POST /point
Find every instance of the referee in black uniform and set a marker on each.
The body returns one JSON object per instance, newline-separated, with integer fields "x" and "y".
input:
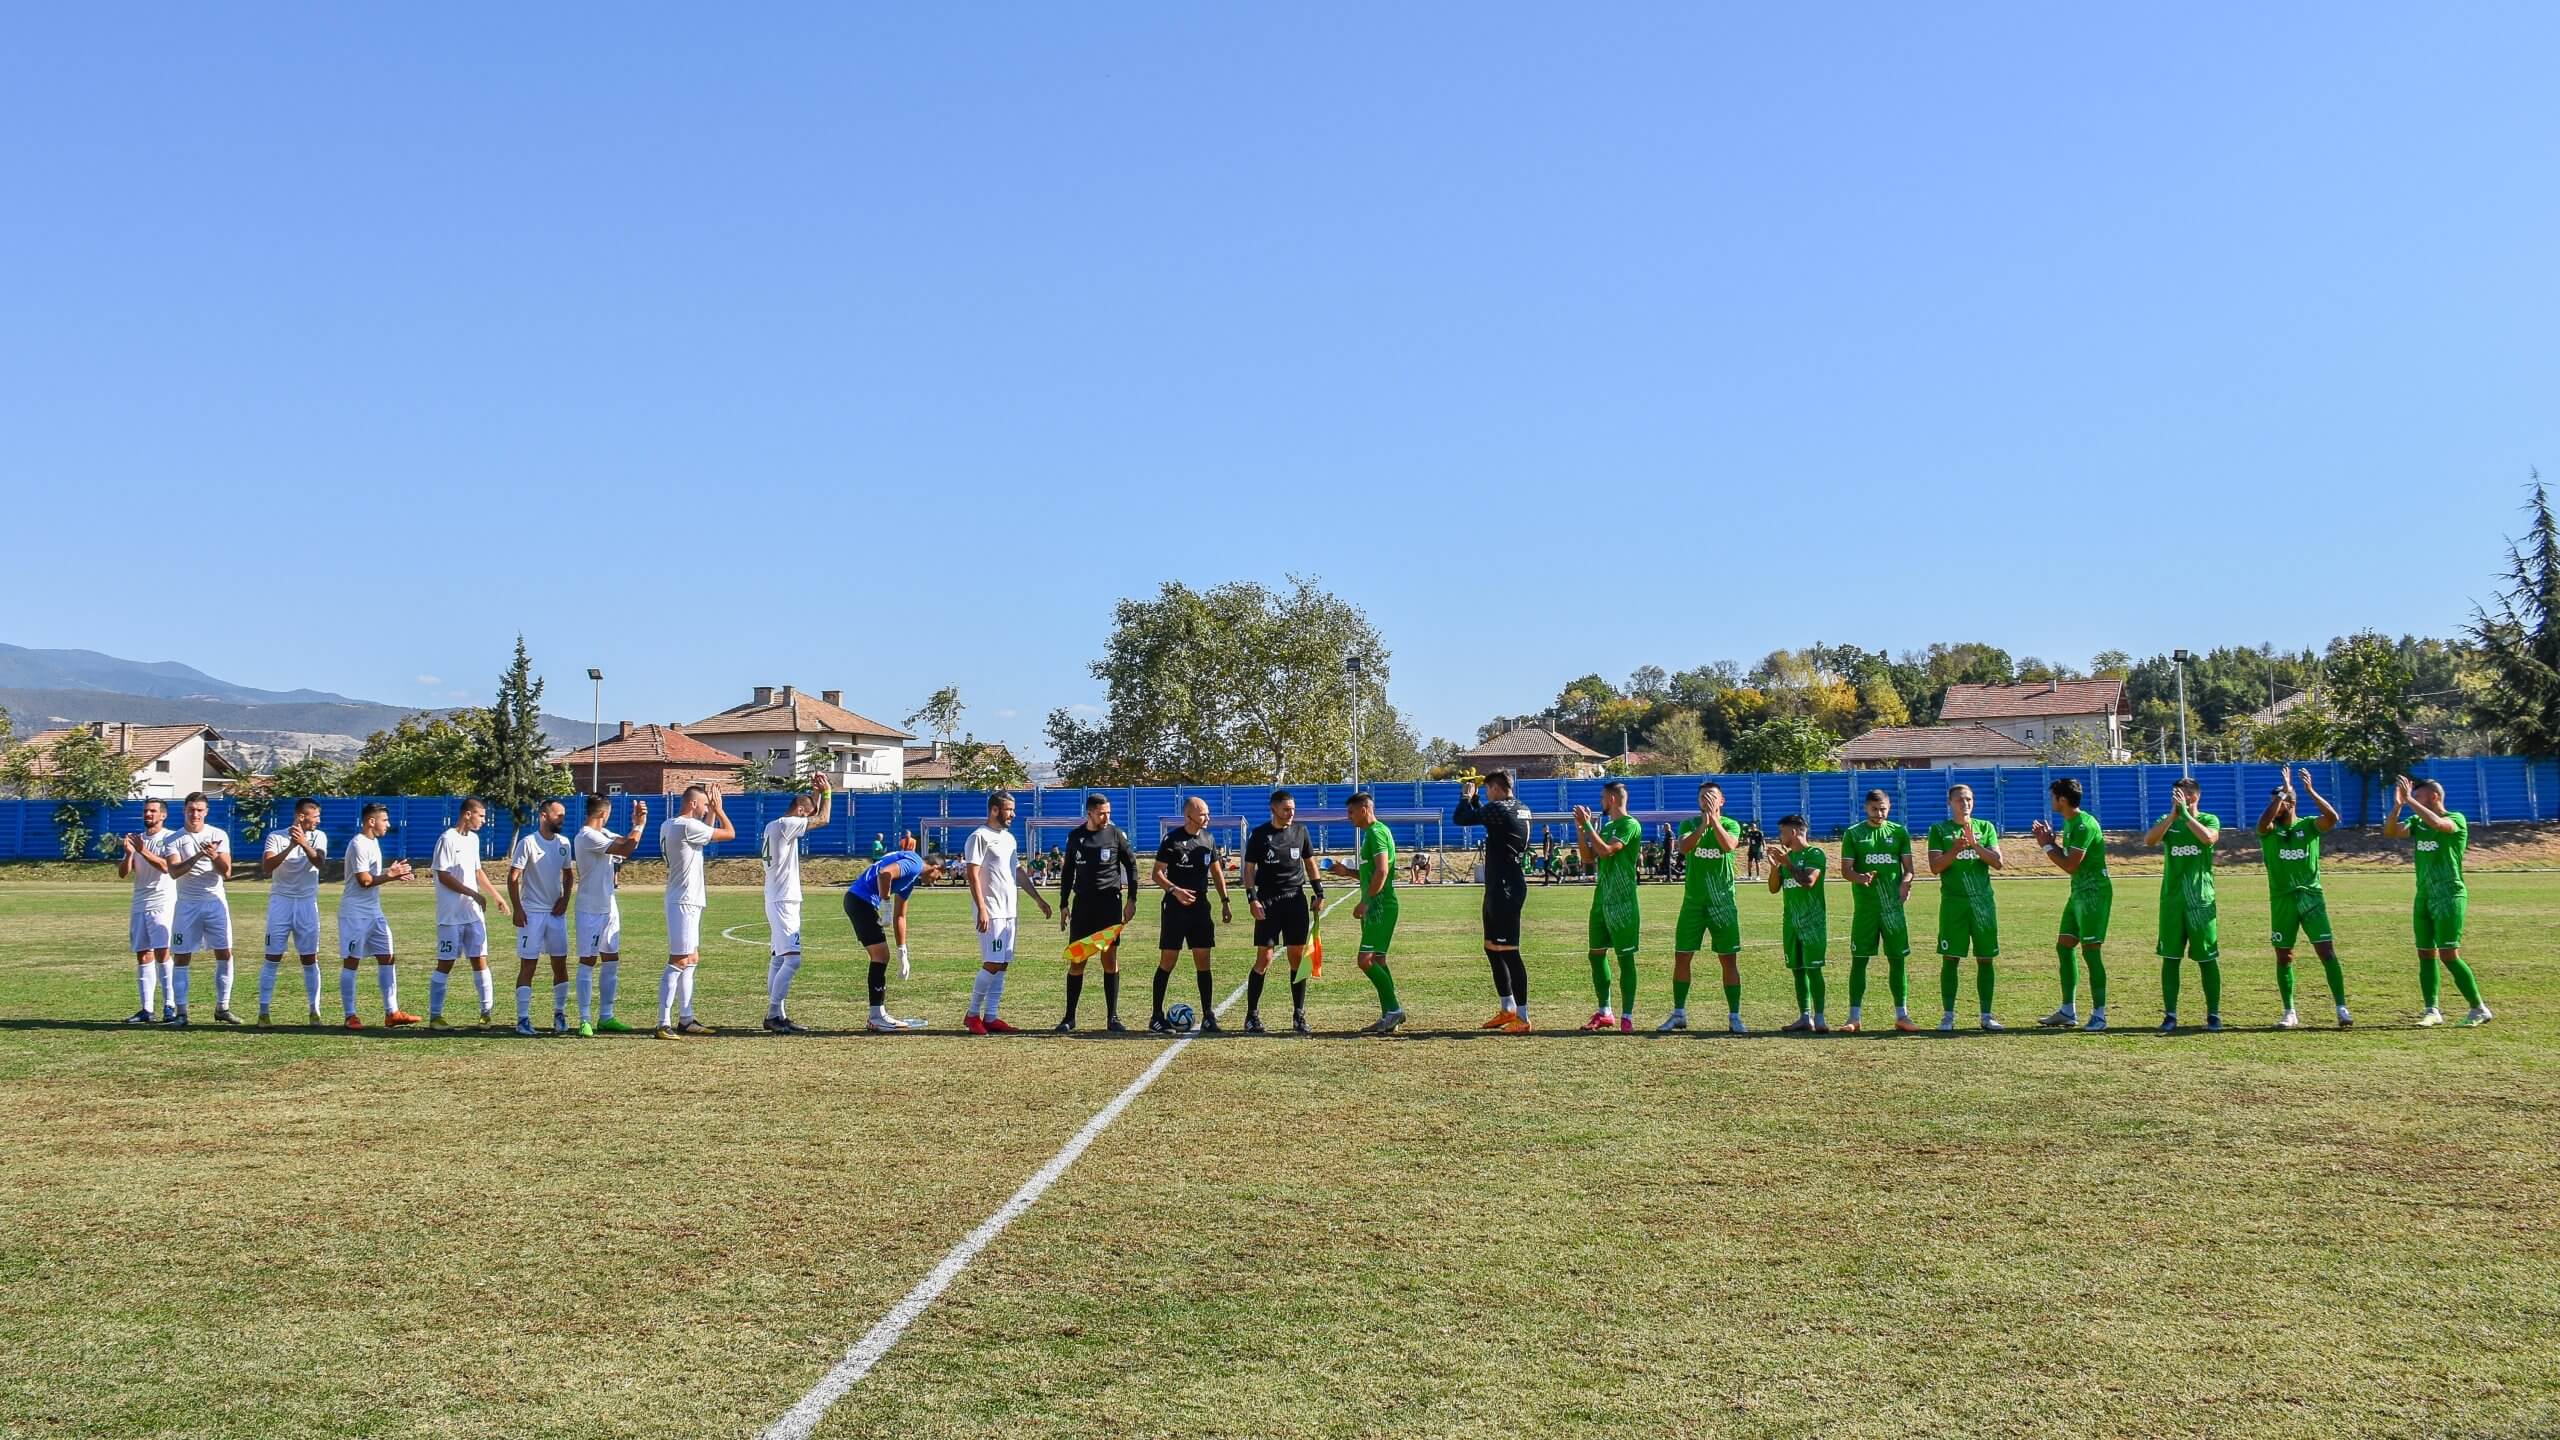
{"x": 1187, "y": 864}
{"x": 1279, "y": 878}
{"x": 1506, "y": 890}
{"x": 1097, "y": 889}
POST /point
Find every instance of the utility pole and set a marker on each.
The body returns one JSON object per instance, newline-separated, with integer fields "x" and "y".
{"x": 595, "y": 750}
{"x": 2186, "y": 754}
{"x": 1351, "y": 674}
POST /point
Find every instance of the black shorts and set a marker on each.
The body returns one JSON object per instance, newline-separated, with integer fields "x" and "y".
{"x": 1088, "y": 914}
{"x": 1188, "y": 927}
{"x": 866, "y": 919}
{"x": 1504, "y": 896}
{"x": 1283, "y": 922}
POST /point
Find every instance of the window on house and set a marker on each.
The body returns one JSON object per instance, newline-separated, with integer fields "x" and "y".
{"x": 162, "y": 766}
{"x": 614, "y": 789}
{"x": 2031, "y": 734}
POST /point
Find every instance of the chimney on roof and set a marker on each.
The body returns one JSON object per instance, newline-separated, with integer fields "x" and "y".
{"x": 788, "y": 694}
{"x": 2053, "y": 685}
{"x": 764, "y": 694}
{"x": 626, "y": 731}
{"x": 832, "y": 697}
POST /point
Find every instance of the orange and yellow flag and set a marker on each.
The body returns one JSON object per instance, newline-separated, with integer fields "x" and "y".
{"x": 1094, "y": 944}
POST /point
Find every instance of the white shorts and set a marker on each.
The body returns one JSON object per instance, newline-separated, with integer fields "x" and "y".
{"x": 782, "y": 917}
{"x": 362, "y": 935}
{"x": 468, "y": 940}
{"x": 543, "y": 933}
{"x": 600, "y": 934}
{"x": 684, "y": 930}
{"x": 150, "y": 928}
{"x": 996, "y": 946}
{"x": 291, "y": 920}
{"x": 201, "y": 925}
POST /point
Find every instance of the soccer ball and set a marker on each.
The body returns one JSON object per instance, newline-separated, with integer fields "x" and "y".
{"x": 1179, "y": 1017}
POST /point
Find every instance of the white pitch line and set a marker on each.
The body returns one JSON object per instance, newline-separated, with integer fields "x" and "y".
{"x": 733, "y": 937}
{"x": 798, "y": 1422}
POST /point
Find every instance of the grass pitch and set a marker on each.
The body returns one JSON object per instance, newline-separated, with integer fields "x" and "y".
{"x": 251, "y": 1233}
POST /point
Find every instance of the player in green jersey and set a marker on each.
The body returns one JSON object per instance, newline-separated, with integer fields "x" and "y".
{"x": 1796, "y": 879}
{"x": 2190, "y": 916}
{"x": 2438, "y": 839}
{"x": 2291, "y": 845}
{"x": 1707, "y": 910}
{"x": 1963, "y": 852}
{"x": 1376, "y": 911}
{"x": 1611, "y": 844}
{"x": 1875, "y": 858}
{"x": 2079, "y": 849}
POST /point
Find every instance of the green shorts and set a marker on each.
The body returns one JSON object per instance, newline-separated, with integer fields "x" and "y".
{"x": 1803, "y": 945}
{"x": 2190, "y": 926}
{"x": 1615, "y": 928}
{"x": 2438, "y": 922}
{"x": 2085, "y": 914}
{"x": 1965, "y": 929}
{"x": 1880, "y": 923}
{"x": 1710, "y": 922}
{"x": 2303, "y": 913}
{"x": 1378, "y": 926}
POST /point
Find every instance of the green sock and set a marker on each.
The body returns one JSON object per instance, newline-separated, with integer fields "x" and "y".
{"x": 1947, "y": 976}
{"x": 2284, "y": 984}
{"x": 2462, "y": 977}
{"x": 1897, "y": 978}
{"x": 2169, "y": 984}
{"x": 2427, "y": 980}
{"x": 1600, "y": 978}
{"x": 2070, "y": 972}
{"x": 1733, "y": 999}
{"x": 2211, "y": 970}
{"x": 1679, "y": 993}
{"x": 1814, "y": 979}
{"x": 1985, "y": 979}
{"x": 1385, "y": 981}
{"x": 2337, "y": 974}
{"x": 1626, "y": 982}
{"x": 1804, "y": 991}
{"x": 2097, "y": 976}
{"x": 1857, "y": 981}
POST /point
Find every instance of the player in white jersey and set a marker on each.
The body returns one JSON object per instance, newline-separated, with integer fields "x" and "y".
{"x": 292, "y": 866}
{"x": 539, "y": 875}
{"x": 996, "y": 876}
{"x": 599, "y": 852}
{"x": 463, "y": 895}
{"x": 155, "y": 907}
{"x": 200, "y": 857}
{"x": 362, "y": 927}
{"x": 684, "y": 840}
{"x": 782, "y": 896}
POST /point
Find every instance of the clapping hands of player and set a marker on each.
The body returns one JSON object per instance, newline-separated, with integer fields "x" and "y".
{"x": 2042, "y": 832}
{"x": 1582, "y": 816}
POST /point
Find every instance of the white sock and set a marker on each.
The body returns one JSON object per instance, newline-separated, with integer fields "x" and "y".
{"x": 608, "y": 983}
{"x": 347, "y": 990}
{"x": 1947, "y": 1019}
{"x": 560, "y": 998}
{"x": 146, "y": 979}
{"x": 667, "y": 999}
{"x": 684, "y": 988}
{"x": 1853, "y": 1013}
{"x": 1506, "y": 1006}
{"x": 267, "y": 980}
{"x": 179, "y": 986}
{"x": 786, "y": 970}
{"x": 386, "y": 978}
{"x": 772, "y": 980}
{"x": 880, "y": 1013}
{"x": 487, "y": 985}
{"x": 586, "y": 993}
{"x": 222, "y": 976}
{"x": 977, "y": 990}
{"x": 311, "y": 982}
{"x": 437, "y": 984}
{"x": 524, "y": 1003}
{"x": 1901, "y": 1012}
{"x": 995, "y": 993}
{"x": 1986, "y": 1017}
{"x": 1522, "y": 1011}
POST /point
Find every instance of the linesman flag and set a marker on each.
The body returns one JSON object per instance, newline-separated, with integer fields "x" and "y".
{"x": 1315, "y": 943}
{"x": 1094, "y": 944}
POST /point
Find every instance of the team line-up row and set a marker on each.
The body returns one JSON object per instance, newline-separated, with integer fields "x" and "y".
{"x": 561, "y": 887}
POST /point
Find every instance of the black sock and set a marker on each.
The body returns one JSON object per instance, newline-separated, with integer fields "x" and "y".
{"x": 1206, "y": 985}
{"x": 1075, "y": 992}
{"x": 1297, "y": 994}
{"x": 1111, "y": 994}
{"x": 1253, "y": 995}
{"x": 1162, "y": 975}
{"x": 879, "y": 982}
{"x": 1501, "y": 972}
{"x": 1519, "y": 979}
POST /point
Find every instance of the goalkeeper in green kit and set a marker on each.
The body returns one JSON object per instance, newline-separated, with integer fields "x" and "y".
{"x": 2291, "y": 845}
{"x": 1610, "y": 846}
{"x": 2190, "y": 916}
{"x": 1963, "y": 852}
{"x": 1875, "y": 858}
{"x": 2079, "y": 849}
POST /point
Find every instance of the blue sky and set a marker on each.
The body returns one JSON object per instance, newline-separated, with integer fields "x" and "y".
{"x": 1560, "y": 339}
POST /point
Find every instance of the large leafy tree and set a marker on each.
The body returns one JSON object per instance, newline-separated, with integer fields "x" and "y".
{"x": 254, "y": 801}
{"x": 512, "y": 766}
{"x": 1785, "y": 742}
{"x": 940, "y": 713}
{"x": 423, "y": 754}
{"x": 79, "y": 770}
{"x": 2519, "y": 640}
{"x": 1680, "y": 746}
{"x": 2369, "y": 693}
{"x": 1237, "y": 684}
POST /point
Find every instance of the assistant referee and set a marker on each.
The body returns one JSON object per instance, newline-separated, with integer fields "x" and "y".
{"x": 1097, "y": 889}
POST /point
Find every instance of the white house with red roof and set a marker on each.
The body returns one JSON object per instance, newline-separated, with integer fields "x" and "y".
{"x": 784, "y": 726}
{"x": 2033, "y": 712}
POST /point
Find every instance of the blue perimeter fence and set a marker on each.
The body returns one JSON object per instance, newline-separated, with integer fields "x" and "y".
{"x": 2490, "y": 790}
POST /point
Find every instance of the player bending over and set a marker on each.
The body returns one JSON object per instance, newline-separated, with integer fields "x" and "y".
{"x": 782, "y": 836}
{"x": 599, "y": 854}
{"x": 685, "y": 840}
{"x": 1963, "y": 852}
{"x": 155, "y": 909}
{"x": 1708, "y": 911}
{"x": 540, "y": 873}
{"x": 362, "y": 927}
{"x": 2291, "y": 845}
{"x": 1376, "y": 910}
{"x": 996, "y": 876}
{"x": 2079, "y": 850}
{"x": 1875, "y": 858}
{"x": 1278, "y": 879}
{"x": 1506, "y": 892}
{"x": 1796, "y": 879}
{"x": 1097, "y": 889}
{"x": 1610, "y": 846}
{"x": 1187, "y": 862}
{"x": 200, "y": 857}
{"x": 292, "y": 864}
{"x": 2190, "y": 915}
{"x": 2438, "y": 839}
{"x": 889, "y": 879}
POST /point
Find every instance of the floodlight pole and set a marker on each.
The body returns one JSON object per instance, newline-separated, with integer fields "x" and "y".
{"x": 2186, "y": 755}
{"x": 595, "y": 749}
{"x": 1351, "y": 673}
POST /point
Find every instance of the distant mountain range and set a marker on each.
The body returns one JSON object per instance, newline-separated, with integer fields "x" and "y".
{"x": 42, "y": 689}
